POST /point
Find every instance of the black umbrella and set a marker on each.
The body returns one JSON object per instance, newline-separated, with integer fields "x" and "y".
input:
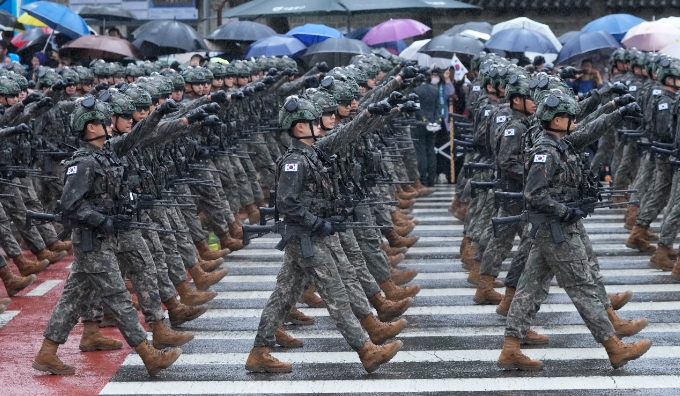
{"x": 482, "y": 27}
{"x": 446, "y": 46}
{"x": 26, "y": 52}
{"x": 335, "y": 51}
{"x": 157, "y": 38}
{"x": 104, "y": 12}
{"x": 242, "y": 31}
{"x": 9, "y": 21}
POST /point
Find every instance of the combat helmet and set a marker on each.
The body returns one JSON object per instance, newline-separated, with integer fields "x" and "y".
{"x": 9, "y": 87}
{"x": 21, "y": 80}
{"x": 140, "y": 97}
{"x": 117, "y": 70}
{"x": 175, "y": 78}
{"x": 218, "y": 70}
{"x": 668, "y": 68}
{"x": 85, "y": 75}
{"x": 88, "y": 109}
{"x": 242, "y": 69}
{"x": 298, "y": 108}
{"x": 324, "y": 99}
{"x": 556, "y": 103}
{"x": 17, "y": 68}
{"x": 517, "y": 85}
{"x": 120, "y": 103}
{"x": 132, "y": 70}
{"x": 193, "y": 76}
{"x": 163, "y": 83}
{"x": 47, "y": 77}
{"x": 149, "y": 86}
{"x": 100, "y": 68}
{"x": 340, "y": 90}
{"x": 67, "y": 72}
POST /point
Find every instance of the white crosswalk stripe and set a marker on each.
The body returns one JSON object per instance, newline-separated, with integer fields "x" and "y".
{"x": 450, "y": 344}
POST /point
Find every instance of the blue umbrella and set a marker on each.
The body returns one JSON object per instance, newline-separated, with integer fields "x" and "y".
{"x": 276, "y": 46}
{"x": 615, "y": 24}
{"x": 521, "y": 40}
{"x": 313, "y": 33}
{"x": 595, "y": 46}
{"x": 358, "y": 34}
{"x": 58, "y": 17}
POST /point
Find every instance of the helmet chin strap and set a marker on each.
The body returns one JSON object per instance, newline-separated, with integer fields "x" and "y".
{"x": 312, "y": 136}
{"x": 567, "y": 131}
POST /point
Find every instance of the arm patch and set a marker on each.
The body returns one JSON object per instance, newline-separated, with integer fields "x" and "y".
{"x": 540, "y": 158}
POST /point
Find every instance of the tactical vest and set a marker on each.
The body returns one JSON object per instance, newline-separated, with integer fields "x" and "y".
{"x": 108, "y": 187}
{"x": 317, "y": 194}
{"x": 566, "y": 185}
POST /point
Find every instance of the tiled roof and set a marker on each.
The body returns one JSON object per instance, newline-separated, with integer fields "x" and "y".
{"x": 528, "y": 4}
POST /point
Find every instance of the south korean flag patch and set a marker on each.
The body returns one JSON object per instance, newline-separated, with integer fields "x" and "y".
{"x": 476, "y": 88}
{"x": 632, "y": 88}
{"x": 72, "y": 170}
{"x": 486, "y": 113}
{"x": 663, "y": 106}
{"x": 540, "y": 158}
{"x": 290, "y": 167}
{"x": 656, "y": 92}
{"x": 501, "y": 119}
{"x": 509, "y": 132}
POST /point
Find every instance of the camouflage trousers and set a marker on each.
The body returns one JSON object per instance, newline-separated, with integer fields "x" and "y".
{"x": 462, "y": 185}
{"x": 228, "y": 182}
{"x": 175, "y": 256}
{"x": 605, "y": 150}
{"x": 355, "y": 292}
{"x": 353, "y": 252}
{"x": 482, "y": 218}
{"x": 370, "y": 243}
{"x": 253, "y": 180}
{"x": 568, "y": 262}
{"x": 409, "y": 158}
{"x": 499, "y": 247}
{"x": 262, "y": 161}
{"x": 32, "y": 202}
{"x": 643, "y": 179}
{"x": 474, "y": 205}
{"x": 166, "y": 289}
{"x": 321, "y": 271}
{"x": 671, "y": 221}
{"x": 657, "y": 194}
{"x": 243, "y": 187}
{"x": 519, "y": 261}
{"x": 7, "y": 241}
{"x": 49, "y": 190}
{"x": 212, "y": 201}
{"x": 628, "y": 167}
{"x": 617, "y": 156}
{"x": 15, "y": 209}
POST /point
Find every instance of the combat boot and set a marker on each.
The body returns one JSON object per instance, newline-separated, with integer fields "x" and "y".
{"x": 165, "y": 337}
{"x": 672, "y": 253}
{"x": 455, "y": 204}
{"x": 236, "y": 229}
{"x": 203, "y": 280}
{"x": 107, "y": 320}
{"x": 27, "y": 267}
{"x": 48, "y": 361}
{"x": 191, "y": 297}
{"x": 180, "y": 313}
{"x": 485, "y": 294}
{"x": 227, "y": 242}
{"x": 631, "y": 217}
{"x": 473, "y": 276}
{"x": 311, "y": 299}
{"x": 388, "y": 310}
{"x": 404, "y": 230}
{"x": 59, "y": 246}
{"x": 625, "y": 327}
{"x": 5, "y": 301}
{"x": 512, "y": 357}
{"x": 620, "y": 353}
{"x": 286, "y": 340}
{"x": 405, "y": 204}
{"x": 155, "y": 360}
{"x": 380, "y": 332}
{"x": 402, "y": 277}
{"x": 503, "y": 308}
{"x": 408, "y": 188}
{"x": 50, "y": 256}
{"x": 461, "y": 213}
{"x": 676, "y": 269}
{"x": 372, "y": 356}
{"x": 253, "y": 214}
{"x": 396, "y": 293}
{"x": 650, "y": 236}
{"x": 3, "y": 308}
{"x": 206, "y": 253}
{"x": 403, "y": 222}
{"x": 637, "y": 240}
{"x": 14, "y": 284}
{"x": 94, "y": 340}
{"x": 533, "y": 338}
{"x": 395, "y": 240}
{"x": 392, "y": 251}
{"x": 298, "y": 318}
{"x": 660, "y": 260}
{"x": 404, "y": 212}
{"x": 468, "y": 254}
{"x": 406, "y": 195}
{"x": 463, "y": 244}
{"x": 210, "y": 266}
{"x": 618, "y": 300}
{"x": 422, "y": 190}
{"x": 260, "y": 361}
{"x": 395, "y": 260}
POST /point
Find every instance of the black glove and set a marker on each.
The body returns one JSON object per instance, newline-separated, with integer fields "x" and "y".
{"x": 248, "y": 91}
{"x": 419, "y": 79}
{"x": 322, "y": 228}
{"x": 237, "y": 96}
{"x": 70, "y": 81}
{"x": 115, "y": 223}
{"x": 211, "y": 121}
{"x": 168, "y": 107}
{"x": 631, "y": 109}
{"x": 272, "y": 72}
{"x": 45, "y": 102}
{"x": 407, "y": 72}
{"x": 31, "y": 84}
{"x": 219, "y": 97}
{"x": 269, "y": 80}
{"x": 289, "y": 71}
{"x": 396, "y": 98}
{"x": 624, "y": 100}
{"x": 211, "y": 108}
{"x": 20, "y": 129}
{"x": 322, "y": 67}
{"x": 410, "y": 106}
{"x": 30, "y": 98}
{"x": 101, "y": 86}
{"x": 573, "y": 215}
{"x": 259, "y": 86}
{"x": 119, "y": 85}
{"x": 413, "y": 97}
{"x": 380, "y": 108}
{"x": 196, "y": 115}
{"x": 58, "y": 85}
{"x": 619, "y": 88}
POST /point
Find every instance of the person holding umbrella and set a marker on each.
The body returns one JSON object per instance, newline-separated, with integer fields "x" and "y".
{"x": 424, "y": 133}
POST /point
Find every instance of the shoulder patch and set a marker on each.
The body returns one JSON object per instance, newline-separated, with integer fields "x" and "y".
{"x": 486, "y": 113}
{"x": 656, "y": 92}
{"x": 540, "y": 157}
{"x": 290, "y": 167}
{"x": 663, "y": 106}
{"x": 632, "y": 88}
{"x": 627, "y": 82}
{"x": 72, "y": 170}
{"x": 509, "y": 132}
{"x": 501, "y": 119}
{"x": 476, "y": 88}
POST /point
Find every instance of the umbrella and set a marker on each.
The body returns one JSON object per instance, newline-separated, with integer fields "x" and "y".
{"x": 242, "y": 31}
{"x": 672, "y": 50}
{"x": 446, "y": 46}
{"x": 393, "y": 30}
{"x": 595, "y": 46}
{"x": 26, "y": 52}
{"x": 651, "y": 36}
{"x": 393, "y": 47}
{"x": 675, "y": 21}
{"x": 358, "y": 34}
{"x": 521, "y": 40}
{"x": 284, "y": 7}
{"x": 528, "y": 24}
{"x": 100, "y": 47}
{"x": 398, "y": 5}
{"x": 278, "y": 45}
{"x": 615, "y": 24}
{"x": 9, "y": 21}
{"x": 106, "y": 12}
{"x": 157, "y": 38}
{"x": 29, "y": 35}
{"x": 58, "y": 17}
{"x": 335, "y": 51}
{"x": 568, "y": 36}
{"x": 412, "y": 53}
{"x": 482, "y": 27}
{"x": 28, "y": 20}
{"x": 313, "y": 33}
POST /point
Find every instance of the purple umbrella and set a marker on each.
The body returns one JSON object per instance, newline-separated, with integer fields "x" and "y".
{"x": 393, "y": 30}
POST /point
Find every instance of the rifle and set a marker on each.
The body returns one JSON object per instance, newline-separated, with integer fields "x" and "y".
{"x": 505, "y": 199}
{"x": 471, "y": 167}
{"x": 481, "y": 185}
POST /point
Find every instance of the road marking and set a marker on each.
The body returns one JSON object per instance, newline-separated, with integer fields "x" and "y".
{"x": 6, "y": 316}
{"x": 43, "y": 288}
{"x": 68, "y": 267}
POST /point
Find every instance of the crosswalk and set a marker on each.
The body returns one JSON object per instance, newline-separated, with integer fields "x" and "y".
{"x": 450, "y": 345}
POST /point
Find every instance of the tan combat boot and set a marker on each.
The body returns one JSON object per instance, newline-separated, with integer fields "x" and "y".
{"x": 512, "y": 357}
{"x": 405, "y": 204}
{"x": 50, "y": 256}
{"x": 392, "y": 251}
{"x": 533, "y": 338}
{"x": 203, "y": 280}
{"x": 48, "y": 361}
{"x": 660, "y": 259}
{"x": 631, "y": 217}
{"x": 191, "y": 297}
{"x": 402, "y": 277}
{"x": 422, "y": 190}
{"x": 388, "y": 310}
{"x": 618, "y": 300}
{"x": 637, "y": 240}
{"x": 165, "y": 337}
{"x": 155, "y": 360}
{"x": 286, "y": 340}
{"x": 94, "y": 340}
{"x": 676, "y": 269}
{"x": 253, "y": 214}
{"x": 311, "y": 299}
{"x": 455, "y": 204}
{"x": 227, "y": 242}
{"x": 380, "y": 332}
{"x": 408, "y": 187}
{"x": 236, "y": 229}
{"x": 59, "y": 246}
{"x": 260, "y": 361}
{"x": 406, "y": 195}
{"x": 503, "y": 308}
{"x": 372, "y": 356}
{"x": 397, "y": 241}
{"x": 650, "y": 236}
{"x": 473, "y": 276}
{"x": 672, "y": 253}
{"x": 485, "y": 294}
{"x": 210, "y": 266}
{"x": 5, "y": 301}
{"x": 298, "y": 318}
{"x": 14, "y": 284}
{"x": 396, "y": 259}
{"x": 206, "y": 253}
{"x": 180, "y": 313}
{"x": 625, "y": 327}
{"x": 28, "y": 267}
{"x": 396, "y": 293}
{"x": 620, "y": 353}
{"x": 463, "y": 244}
{"x": 403, "y": 231}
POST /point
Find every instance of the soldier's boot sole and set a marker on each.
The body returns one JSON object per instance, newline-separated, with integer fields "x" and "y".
{"x": 639, "y": 247}
{"x": 625, "y": 360}
{"x": 92, "y": 348}
{"x": 633, "y": 332}
{"x": 299, "y": 322}
{"x": 517, "y": 366}
{"x": 50, "y": 369}
{"x": 263, "y": 369}
{"x": 179, "y": 321}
